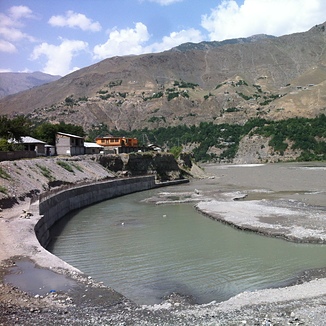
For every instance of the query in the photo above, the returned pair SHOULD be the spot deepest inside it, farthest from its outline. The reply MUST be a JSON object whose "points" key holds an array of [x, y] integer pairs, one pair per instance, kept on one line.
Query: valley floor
{"points": [[90, 303]]}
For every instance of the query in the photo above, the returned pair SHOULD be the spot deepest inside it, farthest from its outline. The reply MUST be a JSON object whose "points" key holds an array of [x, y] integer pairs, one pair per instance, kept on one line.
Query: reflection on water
{"points": [[146, 251]]}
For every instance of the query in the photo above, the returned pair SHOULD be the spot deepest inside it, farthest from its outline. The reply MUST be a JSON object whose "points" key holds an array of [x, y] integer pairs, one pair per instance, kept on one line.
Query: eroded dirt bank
{"points": [[89, 303]]}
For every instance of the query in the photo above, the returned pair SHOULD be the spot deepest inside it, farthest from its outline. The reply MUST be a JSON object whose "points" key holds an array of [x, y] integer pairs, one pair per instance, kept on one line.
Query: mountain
{"points": [[224, 82], [214, 44], [14, 82]]}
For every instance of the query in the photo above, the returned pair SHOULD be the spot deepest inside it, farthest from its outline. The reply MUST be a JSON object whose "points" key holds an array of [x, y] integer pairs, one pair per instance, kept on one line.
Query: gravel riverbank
{"points": [[90, 303]]}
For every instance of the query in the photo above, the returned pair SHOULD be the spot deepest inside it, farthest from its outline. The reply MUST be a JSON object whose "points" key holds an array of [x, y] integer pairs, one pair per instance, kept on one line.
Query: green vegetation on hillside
{"points": [[307, 135], [3, 190], [66, 166], [45, 172], [183, 84], [114, 83], [4, 174], [303, 134]]}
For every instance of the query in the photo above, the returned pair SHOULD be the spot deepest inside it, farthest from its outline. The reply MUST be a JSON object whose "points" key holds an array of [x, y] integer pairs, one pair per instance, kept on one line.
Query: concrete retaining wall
{"points": [[57, 206]]}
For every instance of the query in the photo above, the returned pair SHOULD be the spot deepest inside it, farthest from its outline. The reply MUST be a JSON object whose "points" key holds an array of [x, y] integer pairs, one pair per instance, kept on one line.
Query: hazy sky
{"points": [[60, 36]]}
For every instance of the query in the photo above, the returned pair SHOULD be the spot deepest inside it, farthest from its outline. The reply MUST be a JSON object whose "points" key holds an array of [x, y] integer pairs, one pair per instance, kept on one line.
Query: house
{"points": [[93, 148], [32, 144], [67, 144], [153, 147], [50, 150], [118, 144]]}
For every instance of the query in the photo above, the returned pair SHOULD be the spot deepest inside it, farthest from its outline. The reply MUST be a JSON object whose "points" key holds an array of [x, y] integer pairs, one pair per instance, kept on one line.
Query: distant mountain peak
{"points": [[214, 44], [15, 82]]}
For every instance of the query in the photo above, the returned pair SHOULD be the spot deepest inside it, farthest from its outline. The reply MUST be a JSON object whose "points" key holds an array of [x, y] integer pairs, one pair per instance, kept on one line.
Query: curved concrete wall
{"points": [[57, 206]]}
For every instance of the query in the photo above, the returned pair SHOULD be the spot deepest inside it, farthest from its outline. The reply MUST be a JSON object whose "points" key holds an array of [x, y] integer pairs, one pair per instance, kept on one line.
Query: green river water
{"points": [[146, 251]]}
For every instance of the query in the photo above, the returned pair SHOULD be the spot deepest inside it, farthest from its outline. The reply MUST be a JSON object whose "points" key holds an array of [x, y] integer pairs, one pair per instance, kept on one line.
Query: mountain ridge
{"points": [[15, 82], [213, 44], [269, 77]]}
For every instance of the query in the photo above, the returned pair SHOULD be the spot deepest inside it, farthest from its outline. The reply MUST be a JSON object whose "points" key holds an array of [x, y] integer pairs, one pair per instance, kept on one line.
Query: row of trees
{"points": [[307, 135], [19, 126]]}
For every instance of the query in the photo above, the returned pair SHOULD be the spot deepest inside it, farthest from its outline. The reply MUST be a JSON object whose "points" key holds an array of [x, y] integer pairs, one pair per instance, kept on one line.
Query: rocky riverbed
{"points": [[90, 303]]}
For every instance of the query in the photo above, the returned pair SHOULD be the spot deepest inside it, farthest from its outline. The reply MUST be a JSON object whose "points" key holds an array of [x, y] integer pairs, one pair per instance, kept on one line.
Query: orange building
{"points": [[111, 143]]}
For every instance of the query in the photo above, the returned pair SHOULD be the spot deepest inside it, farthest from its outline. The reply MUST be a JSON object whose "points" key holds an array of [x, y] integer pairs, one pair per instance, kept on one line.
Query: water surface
{"points": [[146, 251]]}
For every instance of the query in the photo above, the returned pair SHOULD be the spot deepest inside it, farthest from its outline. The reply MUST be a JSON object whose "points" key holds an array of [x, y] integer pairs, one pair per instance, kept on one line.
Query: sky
{"points": [[60, 36]]}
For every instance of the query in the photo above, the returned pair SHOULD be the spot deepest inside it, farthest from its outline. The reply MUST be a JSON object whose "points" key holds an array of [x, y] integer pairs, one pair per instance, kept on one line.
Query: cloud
{"points": [[6, 46], [133, 41], [75, 20], [175, 39], [274, 17], [11, 27], [18, 12], [165, 2], [59, 57], [123, 42]]}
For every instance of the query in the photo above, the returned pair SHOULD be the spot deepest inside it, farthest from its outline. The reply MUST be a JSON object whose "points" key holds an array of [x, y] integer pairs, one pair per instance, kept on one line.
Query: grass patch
{"points": [[65, 166], [45, 171], [3, 190], [4, 174], [77, 167]]}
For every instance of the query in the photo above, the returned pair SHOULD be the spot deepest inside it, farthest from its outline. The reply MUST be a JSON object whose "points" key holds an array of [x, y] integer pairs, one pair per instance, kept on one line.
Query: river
{"points": [[147, 250]]}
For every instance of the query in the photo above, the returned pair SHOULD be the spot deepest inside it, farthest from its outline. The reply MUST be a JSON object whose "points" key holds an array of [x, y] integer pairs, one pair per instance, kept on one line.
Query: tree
{"points": [[176, 151], [14, 128], [47, 131]]}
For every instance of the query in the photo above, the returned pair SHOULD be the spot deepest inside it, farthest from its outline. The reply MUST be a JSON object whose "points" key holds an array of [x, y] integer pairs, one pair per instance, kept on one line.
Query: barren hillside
{"points": [[227, 82], [14, 82]]}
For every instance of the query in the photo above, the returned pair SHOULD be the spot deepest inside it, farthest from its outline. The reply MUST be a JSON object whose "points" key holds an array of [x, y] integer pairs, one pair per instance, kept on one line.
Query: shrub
{"points": [[115, 83], [105, 97], [232, 109], [4, 145], [171, 96], [77, 167], [219, 85], [4, 174], [45, 171], [155, 95], [102, 91], [69, 100], [66, 166], [245, 97], [156, 119], [176, 151], [3, 190], [124, 94]]}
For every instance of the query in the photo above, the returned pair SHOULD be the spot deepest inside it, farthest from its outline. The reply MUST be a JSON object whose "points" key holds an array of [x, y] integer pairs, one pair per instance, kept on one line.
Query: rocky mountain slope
{"points": [[14, 82], [228, 82]]}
